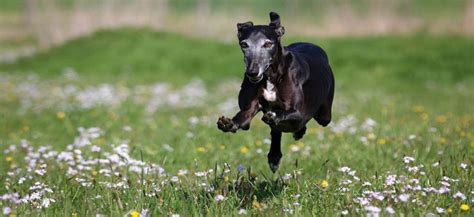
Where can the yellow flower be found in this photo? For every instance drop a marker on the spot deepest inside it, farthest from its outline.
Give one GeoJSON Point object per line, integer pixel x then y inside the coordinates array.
{"type": "Point", "coordinates": [244, 150]}
{"type": "Point", "coordinates": [12, 215]}
{"type": "Point", "coordinates": [226, 178]}
{"type": "Point", "coordinates": [324, 183]}
{"type": "Point", "coordinates": [312, 130]}
{"type": "Point", "coordinates": [371, 136]}
{"type": "Point", "coordinates": [441, 119]}
{"type": "Point", "coordinates": [61, 115]}
{"type": "Point", "coordinates": [442, 140]}
{"type": "Point", "coordinates": [425, 116]}
{"type": "Point", "coordinates": [255, 203]}
{"type": "Point", "coordinates": [450, 210]}
{"type": "Point", "coordinates": [135, 213]}
{"type": "Point", "coordinates": [253, 174]}
{"type": "Point", "coordinates": [258, 143]}
{"type": "Point", "coordinates": [94, 173]}
{"type": "Point", "coordinates": [201, 149]}
{"type": "Point", "coordinates": [26, 128]}
{"type": "Point", "coordinates": [381, 141]}
{"type": "Point", "coordinates": [9, 158]}
{"type": "Point", "coordinates": [464, 207]}
{"type": "Point", "coordinates": [418, 109]}
{"type": "Point", "coordinates": [73, 214]}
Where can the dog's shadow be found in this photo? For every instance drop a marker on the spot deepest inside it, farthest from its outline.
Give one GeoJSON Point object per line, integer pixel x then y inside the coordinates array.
{"type": "Point", "coordinates": [255, 195]}
{"type": "Point", "coordinates": [254, 191]}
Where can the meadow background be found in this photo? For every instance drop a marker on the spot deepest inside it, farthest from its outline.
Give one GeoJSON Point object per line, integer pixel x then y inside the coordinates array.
{"type": "Point", "coordinates": [109, 108]}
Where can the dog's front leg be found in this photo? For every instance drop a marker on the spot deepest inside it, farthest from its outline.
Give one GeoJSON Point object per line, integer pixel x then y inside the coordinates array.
{"type": "Point", "coordinates": [277, 116]}
{"type": "Point", "coordinates": [241, 120]}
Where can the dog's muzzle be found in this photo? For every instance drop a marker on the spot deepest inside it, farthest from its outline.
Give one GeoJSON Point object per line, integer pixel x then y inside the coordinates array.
{"type": "Point", "coordinates": [255, 79]}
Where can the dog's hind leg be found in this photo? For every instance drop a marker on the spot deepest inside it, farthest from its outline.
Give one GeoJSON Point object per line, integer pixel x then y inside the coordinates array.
{"type": "Point", "coordinates": [299, 134]}
{"type": "Point", "coordinates": [275, 155]}
{"type": "Point", "coordinates": [324, 114]}
{"type": "Point", "coordinates": [323, 117]}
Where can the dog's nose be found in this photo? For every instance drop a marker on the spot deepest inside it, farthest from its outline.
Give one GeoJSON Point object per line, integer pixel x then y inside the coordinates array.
{"type": "Point", "coordinates": [252, 74]}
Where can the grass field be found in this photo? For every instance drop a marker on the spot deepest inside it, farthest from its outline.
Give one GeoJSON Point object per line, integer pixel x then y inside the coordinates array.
{"type": "Point", "coordinates": [123, 123]}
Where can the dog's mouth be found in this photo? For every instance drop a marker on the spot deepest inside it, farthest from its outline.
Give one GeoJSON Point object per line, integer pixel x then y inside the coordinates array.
{"type": "Point", "coordinates": [256, 79]}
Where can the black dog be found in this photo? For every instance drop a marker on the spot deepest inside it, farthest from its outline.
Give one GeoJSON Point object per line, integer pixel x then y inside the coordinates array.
{"type": "Point", "coordinates": [290, 85]}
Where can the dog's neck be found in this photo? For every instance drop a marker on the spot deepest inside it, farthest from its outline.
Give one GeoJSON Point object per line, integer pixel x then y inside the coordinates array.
{"type": "Point", "coordinates": [277, 67]}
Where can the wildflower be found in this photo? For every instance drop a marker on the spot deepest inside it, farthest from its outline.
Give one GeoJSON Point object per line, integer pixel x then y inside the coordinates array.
{"type": "Point", "coordinates": [201, 149]}
{"type": "Point", "coordinates": [241, 168]}
{"type": "Point", "coordinates": [294, 148]}
{"type": "Point", "coordinates": [174, 179]}
{"type": "Point", "coordinates": [418, 109]}
{"type": "Point", "coordinates": [219, 198]}
{"type": "Point", "coordinates": [442, 140]}
{"type": "Point", "coordinates": [344, 169]}
{"type": "Point", "coordinates": [439, 210]}
{"type": "Point", "coordinates": [441, 119]}
{"type": "Point", "coordinates": [390, 210]}
{"type": "Point", "coordinates": [408, 159]}
{"type": "Point", "coordinates": [344, 212]}
{"type": "Point", "coordinates": [134, 213]}
{"type": "Point", "coordinates": [60, 115]}
{"type": "Point", "coordinates": [182, 172]}
{"type": "Point", "coordinates": [435, 164]}
{"type": "Point", "coordinates": [94, 173]}
{"type": "Point", "coordinates": [459, 195]}
{"type": "Point", "coordinates": [324, 183]}
{"type": "Point", "coordinates": [412, 137]}
{"type": "Point", "coordinates": [253, 174]}
{"type": "Point", "coordinates": [372, 209]}
{"type": "Point", "coordinates": [450, 210]}
{"type": "Point", "coordinates": [74, 214]}
{"type": "Point", "coordinates": [244, 150]}
{"type": "Point", "coordinates": [287, 176]}
{"type": "Point", "coordinates": [6, 210]}
{"type": "Point", "coordinates": [464, 207]}
{"type": "Point", "coordinates": [381, 141]}
{"type": "Point", "coordinates": [9, 158]}
{"type": "Point", "coordinates": [404, 197]}
{"type": "Point", "coordinates": [371, 136]}
{"type": "Point", "coordinates": [242, 211]}
{"type": "Point", "coordinates": [463, 165]}
{"type": "Point", "coordinates": [174, 215]}
{"type": "Point", "coordinates": [200, 174]}
{"type": "Point", "coordinates": [288, 210]}
{"type": "Point", "coordinates": [255, 203]}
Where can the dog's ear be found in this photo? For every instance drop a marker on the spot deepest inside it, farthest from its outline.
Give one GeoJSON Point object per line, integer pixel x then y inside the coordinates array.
{"type": "Point", "coordinates": [242, 26]}
{"type": "Point", "coordinates": [275, 24]}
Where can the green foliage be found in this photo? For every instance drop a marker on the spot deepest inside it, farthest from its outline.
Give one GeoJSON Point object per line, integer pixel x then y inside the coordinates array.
{"type": "Point", "coordinates": [415, 87]}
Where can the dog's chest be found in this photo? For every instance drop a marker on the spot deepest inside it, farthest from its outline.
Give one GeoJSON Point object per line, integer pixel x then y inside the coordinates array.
{"type": "Point", "coordinates": [269, 96]}
{"type": "Point", "coordinates": [269, 92]}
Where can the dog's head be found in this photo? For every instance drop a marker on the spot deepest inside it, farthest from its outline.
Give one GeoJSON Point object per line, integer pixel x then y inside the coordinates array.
{"type": "Point", "coordinates": [260, 45]}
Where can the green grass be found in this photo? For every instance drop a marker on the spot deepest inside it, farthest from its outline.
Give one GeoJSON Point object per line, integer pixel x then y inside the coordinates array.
{"type": "Point", "coordinates": [412, 85]}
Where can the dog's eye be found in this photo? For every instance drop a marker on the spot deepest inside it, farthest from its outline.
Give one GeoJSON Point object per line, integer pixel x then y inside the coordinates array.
{"type": "Point", "coordinates": [268, 44]}
{"type": "Point", "coordinates": [244, 45]}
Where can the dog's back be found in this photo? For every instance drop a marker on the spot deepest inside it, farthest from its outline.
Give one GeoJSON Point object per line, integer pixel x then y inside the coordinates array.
{"type": "Point", "coordinates": [317, 79]}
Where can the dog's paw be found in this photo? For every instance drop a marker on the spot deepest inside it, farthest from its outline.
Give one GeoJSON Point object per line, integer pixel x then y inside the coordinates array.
{"type": "Point", "coordinates": [270, 118]}
{"type": "Point", "coordinates": [274, 162]}
{"type": "Point", "coordinates": [226, 125]}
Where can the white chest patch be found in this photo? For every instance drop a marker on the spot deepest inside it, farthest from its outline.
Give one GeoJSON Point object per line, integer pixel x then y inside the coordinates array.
{"type": "Point", "coordinates": [269, 92]}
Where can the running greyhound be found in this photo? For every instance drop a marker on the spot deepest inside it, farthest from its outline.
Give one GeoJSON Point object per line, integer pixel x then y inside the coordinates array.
{"type": "Point", "coordinates": [291, 85]}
